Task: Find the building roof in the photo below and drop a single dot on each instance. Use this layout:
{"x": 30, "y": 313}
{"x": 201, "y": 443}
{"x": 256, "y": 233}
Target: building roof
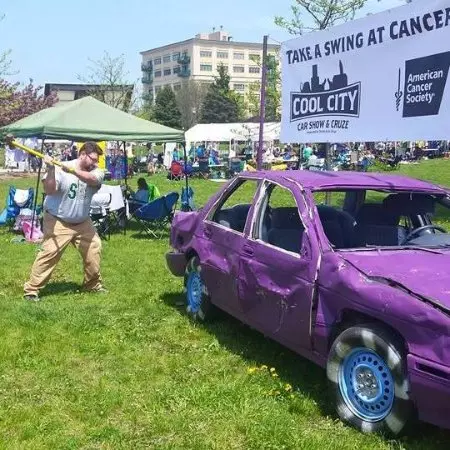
{"x": 210, "y": 42}
{"x": 318, "y": 180}
{"x": 82, "y": 87}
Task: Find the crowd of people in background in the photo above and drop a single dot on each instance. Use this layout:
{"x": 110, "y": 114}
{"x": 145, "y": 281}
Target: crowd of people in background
{"x": 340, "y": 156}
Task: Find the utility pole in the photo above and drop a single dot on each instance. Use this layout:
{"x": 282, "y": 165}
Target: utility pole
{"x": 262, "y": 109}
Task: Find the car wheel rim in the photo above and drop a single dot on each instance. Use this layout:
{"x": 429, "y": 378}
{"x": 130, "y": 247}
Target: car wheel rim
{"x": 194, "y": 291}
{"x": 366, "y": 384}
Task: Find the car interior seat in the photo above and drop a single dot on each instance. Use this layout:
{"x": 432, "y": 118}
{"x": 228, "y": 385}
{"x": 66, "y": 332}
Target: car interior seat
{"x": 377, "y": 225}
{"x": 338, "y": 226}
{"x": 286, "y": 229}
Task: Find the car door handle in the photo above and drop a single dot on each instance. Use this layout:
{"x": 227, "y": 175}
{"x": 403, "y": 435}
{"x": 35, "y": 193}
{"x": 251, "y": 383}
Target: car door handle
{"x": 207, "y": 232}
{"x": 248, "y": 250}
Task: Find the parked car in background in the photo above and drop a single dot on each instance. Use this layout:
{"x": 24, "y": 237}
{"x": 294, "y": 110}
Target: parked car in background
{"x": 348, "y": 269}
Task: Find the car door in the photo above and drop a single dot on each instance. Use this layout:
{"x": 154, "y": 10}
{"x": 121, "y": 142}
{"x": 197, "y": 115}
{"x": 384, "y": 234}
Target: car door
{"x": 278, "y": 266}
{"x": 222, "y": 236}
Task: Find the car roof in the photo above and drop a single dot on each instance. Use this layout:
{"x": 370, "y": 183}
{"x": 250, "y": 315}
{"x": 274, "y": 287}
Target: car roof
{"x": 323, "y": 180}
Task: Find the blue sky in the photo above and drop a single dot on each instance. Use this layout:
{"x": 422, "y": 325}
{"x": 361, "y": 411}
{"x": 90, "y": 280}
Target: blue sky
{"x": 51, "y": 40}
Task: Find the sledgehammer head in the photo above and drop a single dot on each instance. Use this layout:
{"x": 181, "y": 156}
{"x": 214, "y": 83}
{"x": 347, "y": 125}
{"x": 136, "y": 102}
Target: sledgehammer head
{"x": 9, "y": 139}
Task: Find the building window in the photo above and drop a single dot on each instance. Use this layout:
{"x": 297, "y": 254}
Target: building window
{"x": 157, "y": 61}
{"x": 254, "y": 69}
{"x": 254, "y": 57}
{"x": 205, "y": 68}
{"x": 239, "y": 87}
{"x": 205, "y": 54}
{"x": 157, "y": 73}
{"x": 167, "y": 72}
{"x": 225, "y": 67}
{"x": 166, "y": 58}
{"x": 177, "y": 87}
{"x": 176, "y": 70}
{"x": 176, "y": 56}
{"x": 239, "y": 55}
{"x": 238, "y": 69}
{"x": 222, "y": 55}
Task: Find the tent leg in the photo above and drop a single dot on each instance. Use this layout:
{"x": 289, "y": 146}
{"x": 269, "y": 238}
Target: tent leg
{"x": 126, "y": 186}
{"x": 186, "y": 178}
{"x": 36, "y": 193}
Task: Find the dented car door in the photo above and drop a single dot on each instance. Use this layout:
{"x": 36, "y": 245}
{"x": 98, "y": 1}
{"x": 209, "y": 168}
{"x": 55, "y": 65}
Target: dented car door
{"x": 278, "y": 266}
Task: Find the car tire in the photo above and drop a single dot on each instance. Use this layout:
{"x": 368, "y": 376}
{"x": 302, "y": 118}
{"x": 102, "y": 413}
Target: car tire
{"x": 370, "y": 358}
{"x": 198, "y": 301}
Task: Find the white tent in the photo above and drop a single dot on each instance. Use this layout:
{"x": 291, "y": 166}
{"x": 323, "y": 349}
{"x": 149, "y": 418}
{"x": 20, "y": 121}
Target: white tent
{"x": 225, "y": 132}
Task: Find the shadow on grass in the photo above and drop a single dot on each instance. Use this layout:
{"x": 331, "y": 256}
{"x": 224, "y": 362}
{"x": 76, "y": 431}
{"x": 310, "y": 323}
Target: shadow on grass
{"x": 60, "y": 287}
{"x": 305, "y": 376}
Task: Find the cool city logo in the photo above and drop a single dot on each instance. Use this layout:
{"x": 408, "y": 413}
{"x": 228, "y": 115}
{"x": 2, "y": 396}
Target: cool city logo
{"x": 424, "y": 85}
{"x": 330, "y": 98}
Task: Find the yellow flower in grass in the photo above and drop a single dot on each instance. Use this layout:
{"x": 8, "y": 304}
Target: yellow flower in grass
{"x": 251, "y": 370}
{"x": 288, "y": 387}
{"x": 272, "y": 370}
{"x": 263, "y": 367}
{"x": 274, "y": 375}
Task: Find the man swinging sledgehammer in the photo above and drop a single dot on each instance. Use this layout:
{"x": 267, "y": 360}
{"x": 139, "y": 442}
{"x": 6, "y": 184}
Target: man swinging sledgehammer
{"x": 69, "y": 189}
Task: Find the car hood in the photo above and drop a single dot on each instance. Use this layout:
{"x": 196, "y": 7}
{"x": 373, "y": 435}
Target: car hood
{"x": 422, "y": 273}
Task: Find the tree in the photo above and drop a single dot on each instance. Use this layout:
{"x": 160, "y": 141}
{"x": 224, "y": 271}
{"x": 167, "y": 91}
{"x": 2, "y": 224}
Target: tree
{"x": 109, "y": 82}
{"x": 17, "y": 103}
{"x": 189, "y": 100}
{"x": 166, "y": 110}
{"x": 324, "y": 14}
{"x": 273, "y": 92}
{"x": 221, "y": 104}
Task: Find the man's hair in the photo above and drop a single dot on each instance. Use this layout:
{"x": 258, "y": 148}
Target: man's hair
{"x": 91, "y": 147}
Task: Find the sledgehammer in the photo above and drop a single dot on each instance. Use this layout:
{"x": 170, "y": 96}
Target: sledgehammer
{"x": 9, "y": 139}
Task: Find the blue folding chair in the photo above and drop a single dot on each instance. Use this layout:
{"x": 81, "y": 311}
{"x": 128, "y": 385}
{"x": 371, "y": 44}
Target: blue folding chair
{"x": 153, "y": 217}
{"x": 12, "y": 210}
{"x": 187, "y": 199}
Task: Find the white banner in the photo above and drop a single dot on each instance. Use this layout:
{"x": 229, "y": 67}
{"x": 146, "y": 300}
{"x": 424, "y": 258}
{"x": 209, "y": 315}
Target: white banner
{"x": 380, "y": 78}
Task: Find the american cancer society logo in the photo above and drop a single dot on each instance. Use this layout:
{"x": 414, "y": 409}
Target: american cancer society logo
{"x": 424, "y": 85}
{"x": 326, "y": 98}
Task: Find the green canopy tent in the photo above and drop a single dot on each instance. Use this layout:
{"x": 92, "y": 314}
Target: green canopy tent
{"x": 89, "y": 119}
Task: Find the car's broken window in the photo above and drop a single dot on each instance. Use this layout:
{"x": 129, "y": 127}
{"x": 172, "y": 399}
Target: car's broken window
{"x": 279, "y": 223}
{"x": 232, "y": 211}
{"x": 363, "y": 218}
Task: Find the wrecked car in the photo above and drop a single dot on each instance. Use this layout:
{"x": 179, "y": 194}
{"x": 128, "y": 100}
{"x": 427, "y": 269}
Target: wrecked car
{"x": 350, "y": 270}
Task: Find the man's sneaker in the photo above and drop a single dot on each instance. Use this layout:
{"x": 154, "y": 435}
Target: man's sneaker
{"x": 32, "y": 297}
{"x": 98, "y": 290}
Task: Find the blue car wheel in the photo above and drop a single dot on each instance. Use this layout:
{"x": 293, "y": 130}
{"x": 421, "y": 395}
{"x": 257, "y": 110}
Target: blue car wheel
{"x": 198, "y": 303}
{"x": 367, "y": 372}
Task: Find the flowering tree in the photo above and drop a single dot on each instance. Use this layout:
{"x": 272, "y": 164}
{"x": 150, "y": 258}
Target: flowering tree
{"x": 17, "y": 103}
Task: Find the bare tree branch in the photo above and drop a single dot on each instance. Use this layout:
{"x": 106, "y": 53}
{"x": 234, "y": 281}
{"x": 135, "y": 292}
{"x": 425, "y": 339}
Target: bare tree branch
{"x": 109, "y": 82}
{"x": 324, "y": 14}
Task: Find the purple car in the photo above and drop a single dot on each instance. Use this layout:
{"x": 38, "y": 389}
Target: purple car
{"x": 350, "y": 270}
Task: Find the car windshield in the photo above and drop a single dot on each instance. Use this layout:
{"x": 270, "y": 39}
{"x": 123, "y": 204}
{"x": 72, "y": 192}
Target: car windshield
{"x": 354, "y": 219}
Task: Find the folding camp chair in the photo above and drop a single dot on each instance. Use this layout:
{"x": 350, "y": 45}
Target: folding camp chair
{"x": 187, "y": 199}
{"x": 156, "y": 215}
{"x": 15, "y": 201}
{"x": 100, "y": 214}
{"x": 203, "y": 168}
{"x": 176, "y": 171}
{"x": 117, "y": 208}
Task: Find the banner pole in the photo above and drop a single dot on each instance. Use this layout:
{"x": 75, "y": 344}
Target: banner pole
{"x": 262, "y": 109}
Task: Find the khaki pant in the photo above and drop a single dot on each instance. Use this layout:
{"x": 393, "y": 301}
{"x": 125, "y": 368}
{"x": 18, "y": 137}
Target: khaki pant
{"x": 57, "y": 236}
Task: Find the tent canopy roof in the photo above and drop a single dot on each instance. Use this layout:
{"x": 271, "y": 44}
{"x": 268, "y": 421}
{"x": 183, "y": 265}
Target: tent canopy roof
{"x": 221, "y": 132}
{"x": 90, "y": 119}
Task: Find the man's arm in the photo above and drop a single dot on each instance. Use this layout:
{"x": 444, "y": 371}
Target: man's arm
{"x": 49, "y": 182}
{"x": 90, "y": 178}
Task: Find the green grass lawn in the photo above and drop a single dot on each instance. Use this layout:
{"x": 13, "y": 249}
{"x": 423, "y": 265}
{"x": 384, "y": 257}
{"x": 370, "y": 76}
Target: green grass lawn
{"x": 129, "y": 369}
